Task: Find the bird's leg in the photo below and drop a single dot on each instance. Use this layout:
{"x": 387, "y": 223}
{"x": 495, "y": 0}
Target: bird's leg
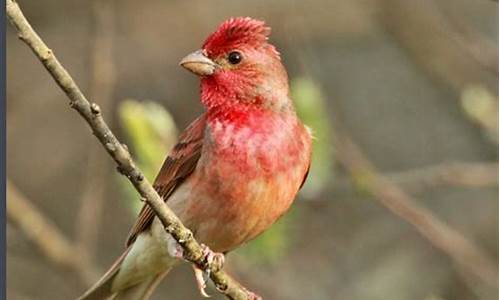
{"x": 175, "y": 250}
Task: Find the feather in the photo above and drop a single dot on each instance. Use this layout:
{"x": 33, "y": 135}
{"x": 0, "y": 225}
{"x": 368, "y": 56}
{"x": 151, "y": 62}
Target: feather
{"x": 177, "y": 167}
{"x": 235, "y": 33}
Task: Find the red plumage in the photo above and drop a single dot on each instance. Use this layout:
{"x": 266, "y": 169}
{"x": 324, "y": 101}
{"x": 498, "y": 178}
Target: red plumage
{"x": 234, "y": 171}
{"x": 235, "y": 33}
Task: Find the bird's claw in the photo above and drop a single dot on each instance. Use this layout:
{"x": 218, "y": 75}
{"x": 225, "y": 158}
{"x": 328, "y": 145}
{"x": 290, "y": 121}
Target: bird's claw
{"x": 201, "y": 282}
{"x": 253, "y": 296}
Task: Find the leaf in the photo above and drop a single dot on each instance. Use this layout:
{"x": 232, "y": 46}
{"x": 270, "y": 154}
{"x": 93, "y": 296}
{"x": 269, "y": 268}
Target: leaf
{"x": 311, "y": 108}
{"x": 151, "y": 133}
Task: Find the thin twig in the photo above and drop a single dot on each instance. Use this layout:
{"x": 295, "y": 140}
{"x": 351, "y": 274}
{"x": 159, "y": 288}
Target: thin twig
{"x": 45, "y": 234}
{"x": 459, "y": 174}
{"x": 101, "y": 87}
{"x": 482, "y": 49}
{"x": 427, "y": 35}
{"x": 456, "y": 174}
{"x": 92, "y": 114}
{"x": 446, "y": 55}
{"x": 441, "y": 235}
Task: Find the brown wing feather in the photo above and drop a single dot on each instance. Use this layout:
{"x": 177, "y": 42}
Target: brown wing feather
{"x": 177, "y": 167}
{"x": 305, "y": 176}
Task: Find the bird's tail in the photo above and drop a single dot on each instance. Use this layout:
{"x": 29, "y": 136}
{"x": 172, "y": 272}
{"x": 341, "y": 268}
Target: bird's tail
{"x": 102, "y": 290}
{"x": 141, "y": 291}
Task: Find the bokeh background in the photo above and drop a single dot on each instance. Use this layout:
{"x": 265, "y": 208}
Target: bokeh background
{"x": 402, "y": 201}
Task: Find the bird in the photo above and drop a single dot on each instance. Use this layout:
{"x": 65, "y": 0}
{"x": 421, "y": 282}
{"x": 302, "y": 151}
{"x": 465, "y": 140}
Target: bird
{"x": 234, "y": 171}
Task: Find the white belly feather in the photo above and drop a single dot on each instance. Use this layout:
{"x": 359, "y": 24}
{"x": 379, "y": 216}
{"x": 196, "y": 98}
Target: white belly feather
{"x": 152, "y": 251}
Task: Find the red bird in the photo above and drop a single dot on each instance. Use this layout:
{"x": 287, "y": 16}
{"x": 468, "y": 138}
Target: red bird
{"x": 235, "y": 170}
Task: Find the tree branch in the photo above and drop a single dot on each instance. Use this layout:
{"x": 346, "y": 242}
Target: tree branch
{"x": 459, "y": 174}
{"x": 442, "y": 236}
{"x": 455, "y": 174}
{"x": 425, "y": 32}
{"x": 49, "y": 239}
{"x": 460, "y": 59}
{"x": 102, "y": 82}
{"x": 119, "y": 152}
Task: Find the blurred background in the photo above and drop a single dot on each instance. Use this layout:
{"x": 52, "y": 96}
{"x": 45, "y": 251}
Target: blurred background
{"x": 402, "y": 200}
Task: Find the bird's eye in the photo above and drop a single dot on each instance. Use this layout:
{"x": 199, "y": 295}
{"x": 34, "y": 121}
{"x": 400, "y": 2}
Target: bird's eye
{"x": 234, "y": 57}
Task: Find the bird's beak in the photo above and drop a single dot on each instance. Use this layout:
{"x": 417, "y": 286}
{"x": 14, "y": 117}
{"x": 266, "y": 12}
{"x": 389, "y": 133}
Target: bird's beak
{"x": 198, "y": 63}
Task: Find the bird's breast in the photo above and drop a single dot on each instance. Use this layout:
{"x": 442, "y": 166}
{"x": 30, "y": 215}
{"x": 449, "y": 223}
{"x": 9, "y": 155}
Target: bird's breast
{"x": 262, "y": 146}
{"x": 246, "y": 179}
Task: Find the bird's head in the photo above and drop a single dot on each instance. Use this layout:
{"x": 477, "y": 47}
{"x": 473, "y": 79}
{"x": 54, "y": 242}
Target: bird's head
{"x": 239, "y": 67}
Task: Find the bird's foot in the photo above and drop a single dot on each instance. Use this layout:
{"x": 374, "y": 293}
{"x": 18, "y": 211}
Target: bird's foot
{"x": 201, "y": 281}
{"x": 215, "y": 259}
{"x": 253, "y": 296}
{"x": 174, "y": 249}
{"x": 210, "y": 258}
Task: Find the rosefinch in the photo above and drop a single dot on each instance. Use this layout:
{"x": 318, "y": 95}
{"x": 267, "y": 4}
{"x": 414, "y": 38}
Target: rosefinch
{"x": 235, "y": 170}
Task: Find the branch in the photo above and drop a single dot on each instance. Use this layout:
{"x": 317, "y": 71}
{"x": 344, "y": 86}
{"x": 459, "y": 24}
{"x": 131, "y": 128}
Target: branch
{"x": 456, "y": 174}
{"x": 442, "y": 236}
{"x": 119, "y": 152}
{"x": 49, "y": 239}
{"x": 460, "y": 174}
{"x": 422, "y": 29}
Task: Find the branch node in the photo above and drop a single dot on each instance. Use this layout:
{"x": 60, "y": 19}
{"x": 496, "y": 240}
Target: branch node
{"x": 221, "y": 286}
{"x": 139, "y": 177}
{"x": 186, "y": 237}
{"x": 46, "y": 55}
{"x": 170, "y": 228}
{"x": 110, "y": 147}
{"x": 121, "y": 171}
{"x": 95, "y": 108}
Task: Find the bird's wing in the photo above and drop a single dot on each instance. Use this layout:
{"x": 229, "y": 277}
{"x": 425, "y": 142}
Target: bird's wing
{"x": 177, "y": 167}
